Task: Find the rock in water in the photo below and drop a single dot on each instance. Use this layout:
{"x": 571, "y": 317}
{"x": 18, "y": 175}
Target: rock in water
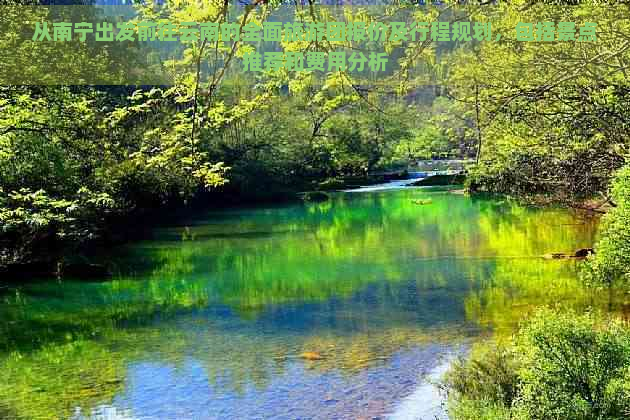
{"x": 579, "y": 254}
{"x": 311, "y": 355}
{"x": 583, "y": 252}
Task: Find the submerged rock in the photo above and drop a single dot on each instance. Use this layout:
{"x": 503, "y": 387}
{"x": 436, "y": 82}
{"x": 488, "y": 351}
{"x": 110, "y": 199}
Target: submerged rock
{"x": 311, "y": 355}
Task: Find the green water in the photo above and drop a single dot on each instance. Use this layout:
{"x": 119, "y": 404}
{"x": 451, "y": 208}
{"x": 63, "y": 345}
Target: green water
{"x": 331, "y": 310}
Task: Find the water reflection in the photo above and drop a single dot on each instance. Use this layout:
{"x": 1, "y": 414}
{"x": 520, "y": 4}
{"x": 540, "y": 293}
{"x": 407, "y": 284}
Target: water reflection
{"x": 212, "y": 318}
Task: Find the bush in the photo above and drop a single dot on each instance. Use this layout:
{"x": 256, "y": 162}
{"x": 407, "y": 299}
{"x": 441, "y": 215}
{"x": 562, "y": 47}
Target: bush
{"x": 489, "y": 375}
{"x": 612, "y": 259}
{"x": 517, "y": 168}
{"x": 560, "y": 366}
{"x": 469, "y": 409}
{"x": 573, "y": 367}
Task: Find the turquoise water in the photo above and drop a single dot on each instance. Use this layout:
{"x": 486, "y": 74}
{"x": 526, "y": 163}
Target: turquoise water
{"x": 325, "y": 310}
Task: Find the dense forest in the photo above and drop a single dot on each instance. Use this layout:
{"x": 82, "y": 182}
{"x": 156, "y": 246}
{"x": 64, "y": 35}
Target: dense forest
{"x": 543, "y": 122}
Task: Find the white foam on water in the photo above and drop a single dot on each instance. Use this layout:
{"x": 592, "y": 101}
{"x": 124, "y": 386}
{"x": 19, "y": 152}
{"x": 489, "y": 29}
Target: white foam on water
{"x": 386, "y": 186}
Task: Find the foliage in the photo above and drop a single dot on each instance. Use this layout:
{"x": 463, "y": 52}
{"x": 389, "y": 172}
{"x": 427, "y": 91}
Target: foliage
{"x": 489, "y": 376}
{"x": 561, "y": 366}
{"x": 551, "y": 115}
{"x": 573, "y": 367}
{"x": 65, "y": 166}
{"x": 30, "y": 219}
{"x": 612, "y": 259}
{"x": 470, "y": 409}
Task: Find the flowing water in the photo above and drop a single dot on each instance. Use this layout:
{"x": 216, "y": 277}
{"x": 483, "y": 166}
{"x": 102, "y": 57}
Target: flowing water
{"x": 342, "y": 309}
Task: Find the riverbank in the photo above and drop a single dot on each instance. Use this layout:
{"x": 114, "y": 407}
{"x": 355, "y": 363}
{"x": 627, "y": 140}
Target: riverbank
{"x": 52, "y": 256}
{"x": 57, "y": 259}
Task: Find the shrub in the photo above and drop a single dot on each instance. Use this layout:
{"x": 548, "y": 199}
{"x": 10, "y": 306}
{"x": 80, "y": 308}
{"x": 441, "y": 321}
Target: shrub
{"x": 560, "y": 366}
{"x": 469, "y": 409}
{"x": 612, "y": 259}
{"x": 573, "y": 367}
{"x": 489, "y": 375}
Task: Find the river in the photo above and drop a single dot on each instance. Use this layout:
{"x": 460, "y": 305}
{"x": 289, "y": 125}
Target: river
{"x": 350, "y": 308}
